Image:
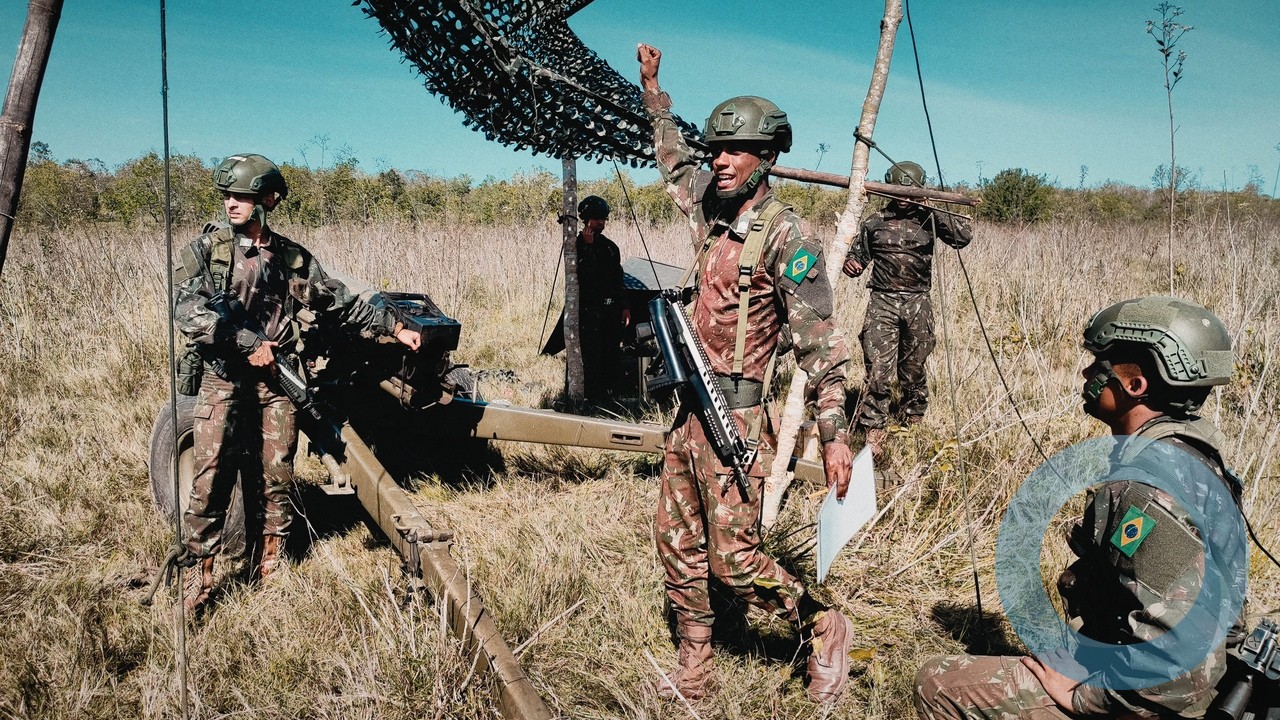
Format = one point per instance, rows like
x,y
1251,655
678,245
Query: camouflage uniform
x,y
704,525
238,403
603,296
897,334
1114,602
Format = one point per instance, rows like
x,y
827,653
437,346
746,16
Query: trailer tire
x,y
161,472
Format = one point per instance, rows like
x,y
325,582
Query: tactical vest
x,y
220,243
752,250
222,249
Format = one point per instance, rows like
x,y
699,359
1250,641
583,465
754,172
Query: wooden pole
x,y
20,108
874,188
574,384
849,225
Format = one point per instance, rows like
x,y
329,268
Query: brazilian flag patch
x,y
800,264
1132,531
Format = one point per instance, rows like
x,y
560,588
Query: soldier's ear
x,y
270,201
1135,387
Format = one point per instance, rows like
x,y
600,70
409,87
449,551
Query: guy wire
x,y
635,219
955,409
179,620
551,296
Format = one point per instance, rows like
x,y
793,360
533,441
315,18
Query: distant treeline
x,y
58,194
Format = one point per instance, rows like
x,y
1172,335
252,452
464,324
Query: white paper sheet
x,y
840,520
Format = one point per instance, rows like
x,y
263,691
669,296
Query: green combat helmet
x,y
751,119
251,174
593,207
1189,345
905,173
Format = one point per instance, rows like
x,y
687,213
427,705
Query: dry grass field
x,y
83,357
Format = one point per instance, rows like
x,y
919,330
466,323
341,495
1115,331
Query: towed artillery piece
x,y
373,405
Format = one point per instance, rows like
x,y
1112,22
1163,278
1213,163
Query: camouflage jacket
x,y
898,244
777,298
274,284
1141,594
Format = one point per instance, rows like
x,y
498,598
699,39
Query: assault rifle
x,y
290,373
1250,690
683,363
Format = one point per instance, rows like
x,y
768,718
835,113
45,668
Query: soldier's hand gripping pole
x,y
688,366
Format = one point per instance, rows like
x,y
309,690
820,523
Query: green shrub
x,y
1016,195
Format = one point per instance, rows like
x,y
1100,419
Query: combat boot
x,y
829,656
876,438
695,667
198,584
272,545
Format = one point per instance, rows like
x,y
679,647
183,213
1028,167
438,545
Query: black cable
x,y
1249,526
923,102
973,561
173,365
635,219
973,299
550,298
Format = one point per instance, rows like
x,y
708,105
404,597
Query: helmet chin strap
x,y
1093,391
259,213
748,188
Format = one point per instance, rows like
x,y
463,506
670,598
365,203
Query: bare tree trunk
x,y
1173,190
20,108
848,226
574,385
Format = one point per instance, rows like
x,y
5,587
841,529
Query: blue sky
x,y
1046,85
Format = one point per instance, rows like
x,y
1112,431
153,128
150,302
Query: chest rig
x,y
753,246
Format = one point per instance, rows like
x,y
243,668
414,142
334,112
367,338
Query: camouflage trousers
x,y
897,338
251,430
705,526
973,687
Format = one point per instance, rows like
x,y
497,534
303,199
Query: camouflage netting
x,y
518,74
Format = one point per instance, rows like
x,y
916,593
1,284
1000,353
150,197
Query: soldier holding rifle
x,y
760,273
242,293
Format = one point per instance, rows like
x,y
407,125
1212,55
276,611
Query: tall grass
x,y
339,635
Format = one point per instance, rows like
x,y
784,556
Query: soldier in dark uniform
x,y
602,310
1155,361
240,291
706,524
897,334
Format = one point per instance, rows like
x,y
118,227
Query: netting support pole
x,y
574,385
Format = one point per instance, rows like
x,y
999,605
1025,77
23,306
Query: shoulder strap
x,y
1197,432
221,246
752,249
